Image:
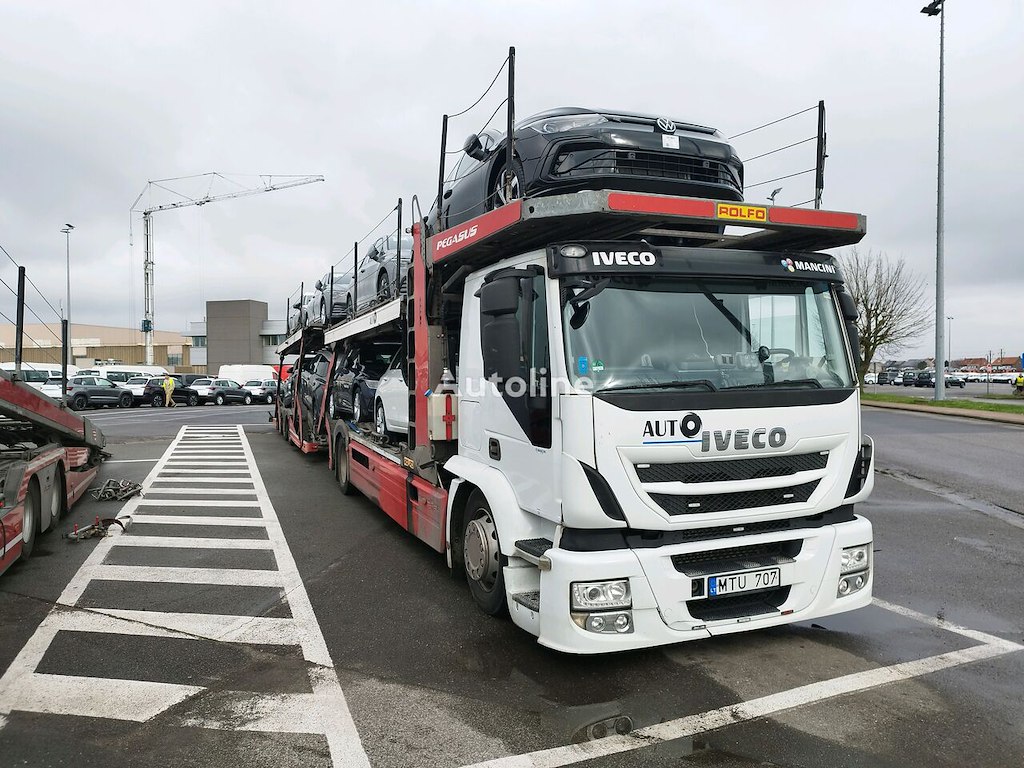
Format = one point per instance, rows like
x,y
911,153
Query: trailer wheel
x,y
341,466
58,498
30,519
482,558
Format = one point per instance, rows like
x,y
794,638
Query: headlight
x,y
566,123
600,595
855,559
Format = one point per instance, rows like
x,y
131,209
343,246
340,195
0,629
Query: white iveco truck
x,y
645,444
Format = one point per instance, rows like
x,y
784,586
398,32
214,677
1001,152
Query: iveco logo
x,y
665,125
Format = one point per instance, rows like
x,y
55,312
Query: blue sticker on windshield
x,y
582,365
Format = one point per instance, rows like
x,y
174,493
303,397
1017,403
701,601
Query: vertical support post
x,y
147,323
398,253
441,220
19,331
940,289
819,169
510,123
329,312
355,279
65,337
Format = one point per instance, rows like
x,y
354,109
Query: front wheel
x,y
193,399
482,558
78,402
269,399
383,287
380,420
126,401
158,401
357,405
498,196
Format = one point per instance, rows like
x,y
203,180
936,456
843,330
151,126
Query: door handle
x,y
494,449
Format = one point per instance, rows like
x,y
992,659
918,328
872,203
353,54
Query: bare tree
x,y
891,302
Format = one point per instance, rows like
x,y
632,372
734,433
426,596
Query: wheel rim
x,y
499,189
270,399
78,403
381,422
247,400
383,286
158,401
357,409
28,520
341,464
480,550
56,503
219,400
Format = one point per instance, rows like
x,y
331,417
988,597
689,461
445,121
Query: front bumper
x,y
661,593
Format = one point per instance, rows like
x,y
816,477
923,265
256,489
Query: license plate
x,y
743,582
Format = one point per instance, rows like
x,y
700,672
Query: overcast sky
x,y
99,98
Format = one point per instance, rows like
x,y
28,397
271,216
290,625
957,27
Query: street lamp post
x,y
934,8
67,313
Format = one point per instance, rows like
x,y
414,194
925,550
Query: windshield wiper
x,y
795,383
664,385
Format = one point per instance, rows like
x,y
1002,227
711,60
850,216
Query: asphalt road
x,y
358,646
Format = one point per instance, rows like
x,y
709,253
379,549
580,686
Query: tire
x,y
79,402
341,466
323,312
218,399
30,519
58,498
357,405
270,400
348,307
126,401
193,399
158,400
247,400
481,556
332,409
380,421
496,198
383,286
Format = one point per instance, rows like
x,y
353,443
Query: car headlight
x,y
855,559
600,595
566,123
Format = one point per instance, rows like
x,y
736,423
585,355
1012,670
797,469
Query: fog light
x,y
853,583
844,587
615,623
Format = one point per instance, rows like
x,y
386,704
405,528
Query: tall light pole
x,y
66,331
934,8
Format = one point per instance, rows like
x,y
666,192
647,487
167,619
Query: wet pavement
x,y
929,676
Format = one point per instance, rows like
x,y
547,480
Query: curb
x,y
1003,418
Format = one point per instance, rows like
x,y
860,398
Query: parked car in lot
x,y
355,381
927,379
89,392
572,148
186,379
221,391
382,271
149,390
391,402
909,378
870,378
263,390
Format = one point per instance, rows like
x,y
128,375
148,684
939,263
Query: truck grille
x,y
723,502
737,558
738,606
730,469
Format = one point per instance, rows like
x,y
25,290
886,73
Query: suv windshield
x,y
715,334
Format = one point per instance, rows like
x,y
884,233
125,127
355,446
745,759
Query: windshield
x,y
674,332
202,382
254,383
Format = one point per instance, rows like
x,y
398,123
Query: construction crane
x,y
268,183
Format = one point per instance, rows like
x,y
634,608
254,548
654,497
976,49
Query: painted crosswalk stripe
x,y
324,711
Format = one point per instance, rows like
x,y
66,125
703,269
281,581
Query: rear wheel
x,y
383,286
158,400
357,405
58,498
341,466
498,197
247,399
193,399
482,558
218,399
380,421
30,519
348,307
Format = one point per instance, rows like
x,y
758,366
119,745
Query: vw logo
x,y
665,125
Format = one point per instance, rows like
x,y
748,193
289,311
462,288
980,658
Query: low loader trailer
x,y
633,419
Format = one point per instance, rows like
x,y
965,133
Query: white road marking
x,y
324,711
190,472
764,706
131,461
162,479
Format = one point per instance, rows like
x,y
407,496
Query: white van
x,y
119,374
36,374
242,373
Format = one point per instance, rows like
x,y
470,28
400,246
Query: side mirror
x,y
848,306
319,285
474,148
500,340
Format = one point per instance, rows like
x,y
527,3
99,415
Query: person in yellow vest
x,y
1018,384
168,386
